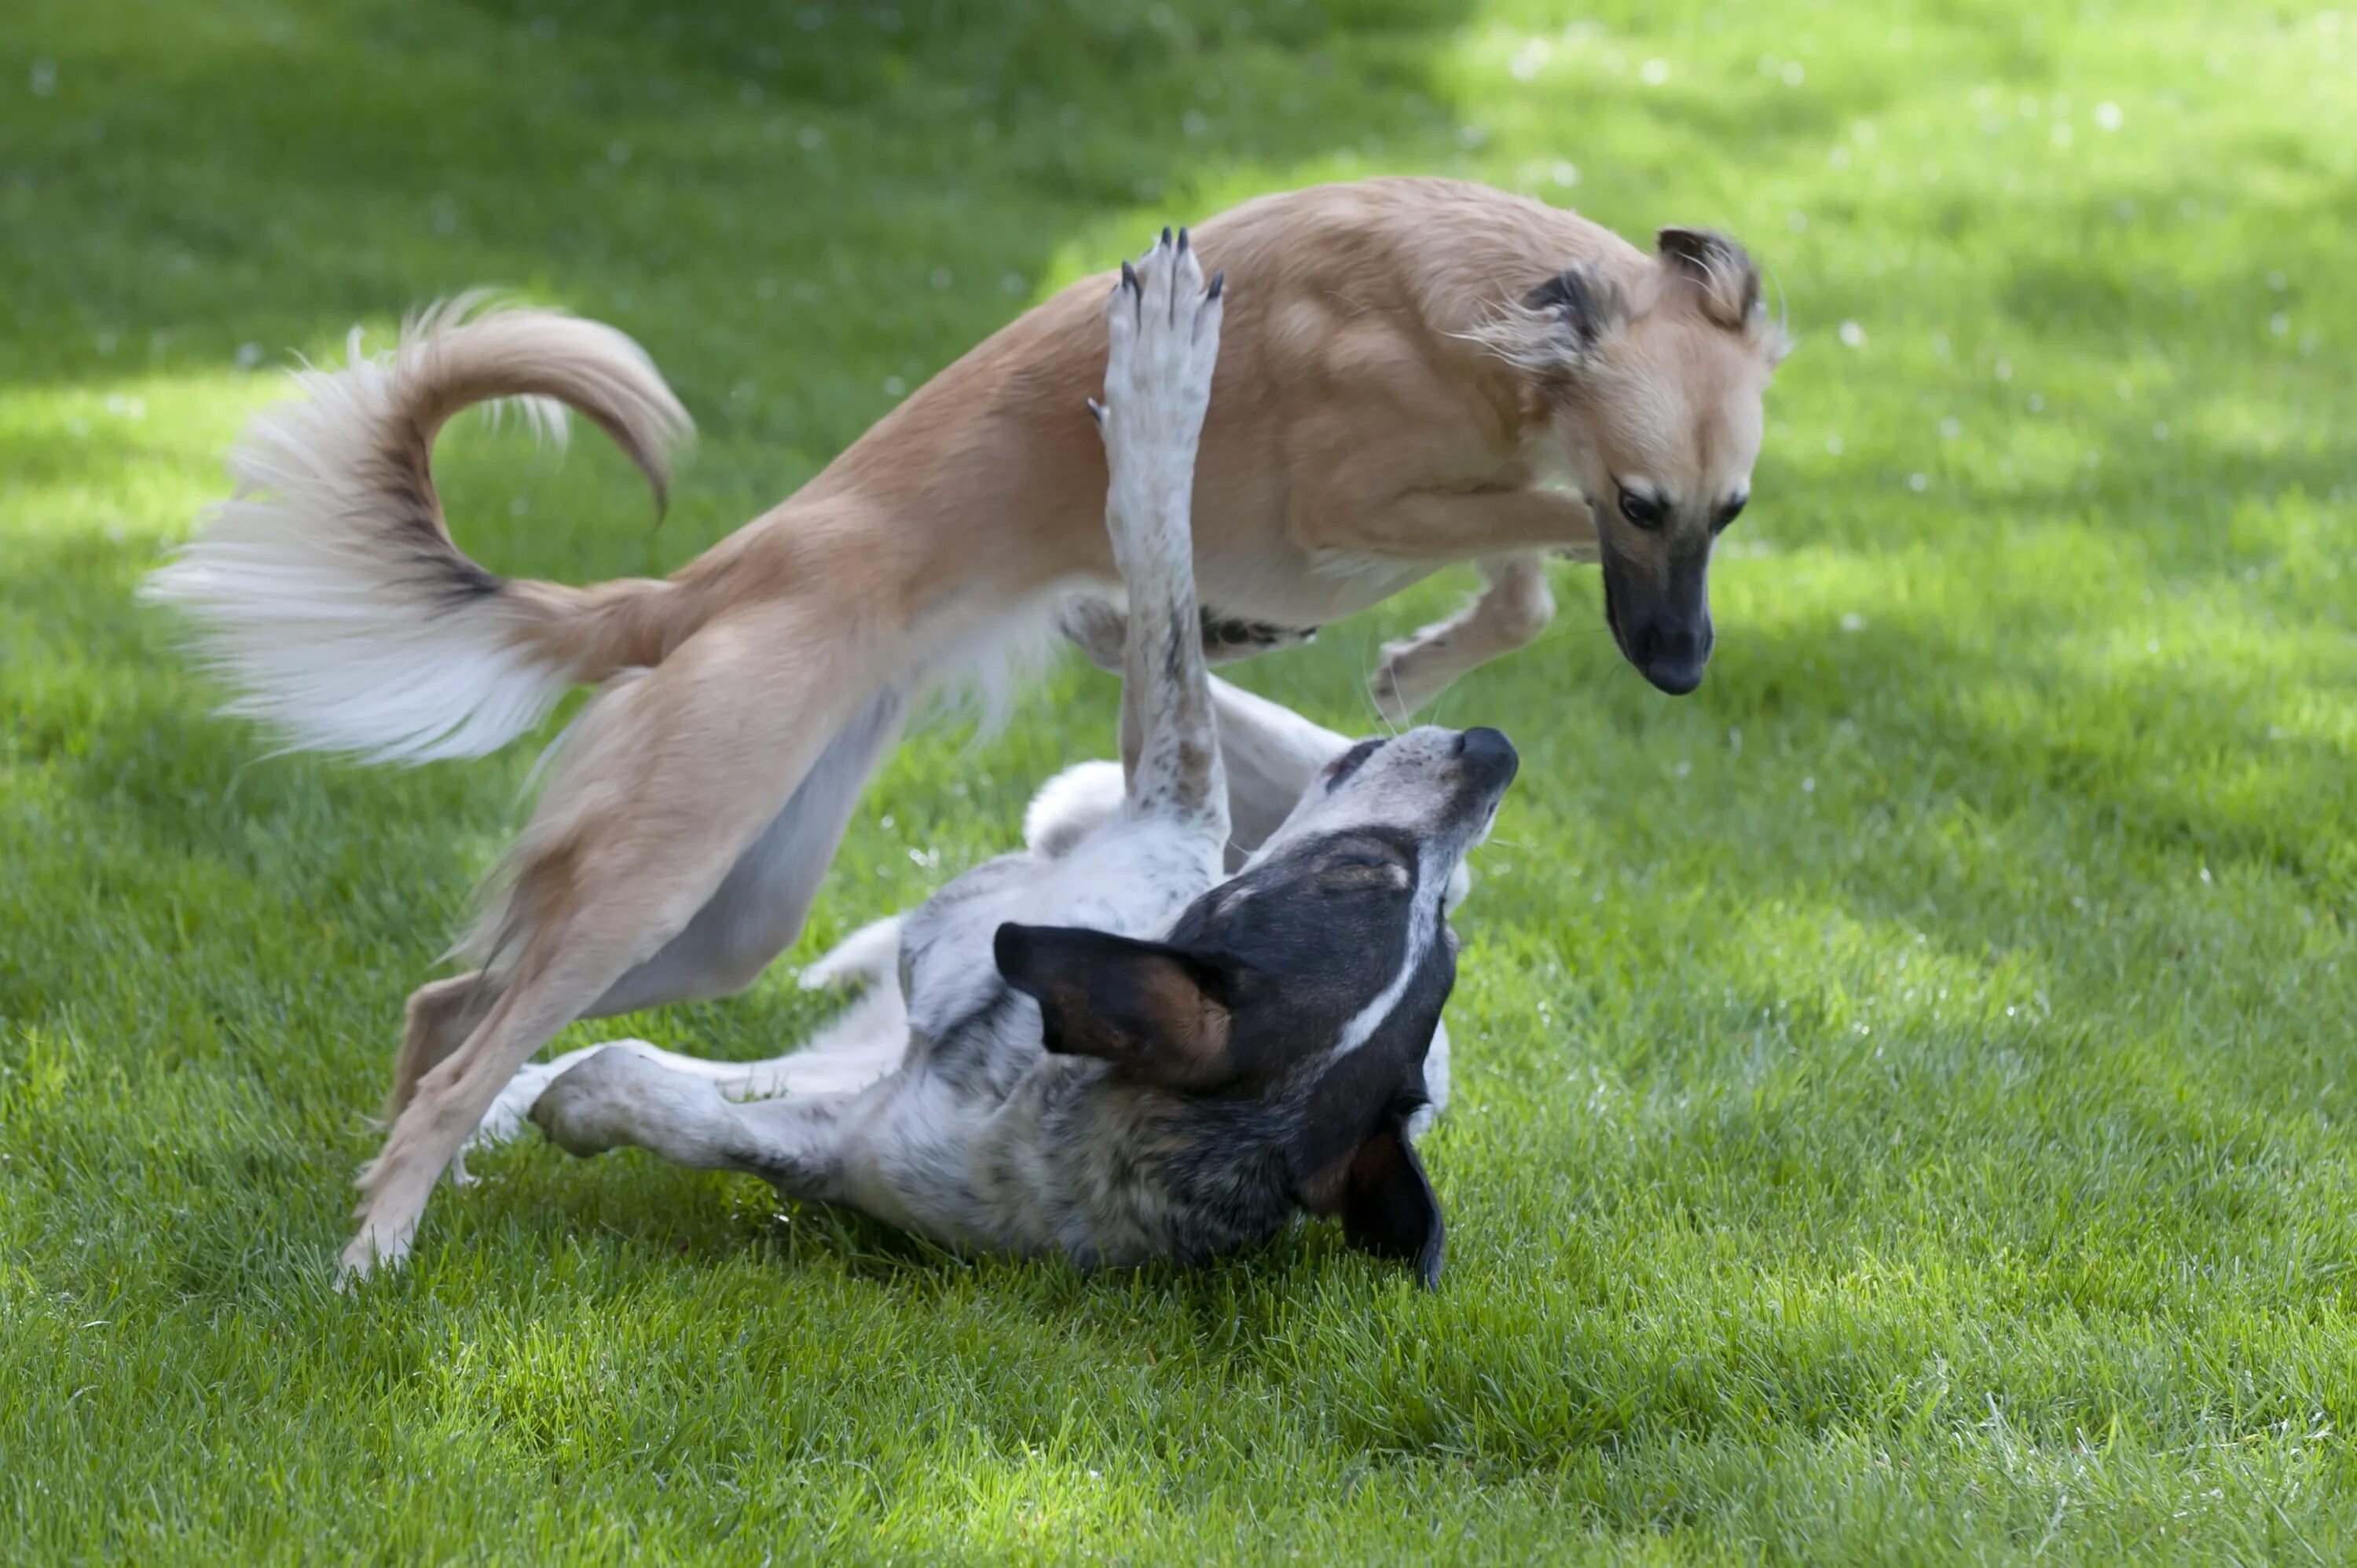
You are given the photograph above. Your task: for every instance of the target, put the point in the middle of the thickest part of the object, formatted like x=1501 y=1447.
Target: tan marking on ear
x=1322 y=1192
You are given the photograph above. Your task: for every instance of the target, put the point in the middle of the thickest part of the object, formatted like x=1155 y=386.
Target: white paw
x=1164 y=324
x=593 y=1105
x=512 y=1109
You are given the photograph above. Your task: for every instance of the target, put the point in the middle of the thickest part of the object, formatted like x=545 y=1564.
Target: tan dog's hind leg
x=1507 y=615
x=755 y=915
x=442 y=1014
x=648 y=813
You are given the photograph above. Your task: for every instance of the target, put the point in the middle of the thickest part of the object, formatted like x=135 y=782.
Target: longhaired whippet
x=1412 y=365
x=1174 y=1064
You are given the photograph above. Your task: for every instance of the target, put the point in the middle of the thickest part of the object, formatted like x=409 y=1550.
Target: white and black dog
x=1104 y=1048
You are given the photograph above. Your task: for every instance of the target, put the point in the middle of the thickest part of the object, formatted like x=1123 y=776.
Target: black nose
x=1488 y=756
x=1677 y=677
x=1672 y=656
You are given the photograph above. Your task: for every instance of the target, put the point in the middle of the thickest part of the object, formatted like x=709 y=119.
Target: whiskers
x=1366 y=696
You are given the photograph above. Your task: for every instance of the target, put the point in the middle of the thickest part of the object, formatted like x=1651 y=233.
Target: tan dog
x=1409 y=364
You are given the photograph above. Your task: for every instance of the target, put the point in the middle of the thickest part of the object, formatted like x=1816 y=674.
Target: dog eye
x=1353 y=873
x=1640 y=510
x=1729 y=514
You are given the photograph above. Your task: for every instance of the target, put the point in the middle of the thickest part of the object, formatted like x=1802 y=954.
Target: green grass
x=1905 y=1089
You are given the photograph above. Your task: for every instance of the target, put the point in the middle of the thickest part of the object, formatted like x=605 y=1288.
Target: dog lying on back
x=1110 y=1051
x=1412 y=365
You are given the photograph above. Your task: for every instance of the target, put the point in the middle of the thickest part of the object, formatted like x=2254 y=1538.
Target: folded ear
x=1150 y=1008
x=1553 y=331
x=1723 y=270
x=1388 y=1205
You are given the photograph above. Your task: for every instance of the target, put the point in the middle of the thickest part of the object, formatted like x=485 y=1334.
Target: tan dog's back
x=1347 y=353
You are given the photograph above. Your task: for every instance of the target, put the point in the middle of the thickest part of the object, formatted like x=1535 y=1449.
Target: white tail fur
x=326 y=591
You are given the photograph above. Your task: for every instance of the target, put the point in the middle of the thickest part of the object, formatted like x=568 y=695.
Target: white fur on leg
x=863 y=1043
x=618 y=1096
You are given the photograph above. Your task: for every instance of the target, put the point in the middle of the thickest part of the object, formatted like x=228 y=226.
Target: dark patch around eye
x=1730 y=513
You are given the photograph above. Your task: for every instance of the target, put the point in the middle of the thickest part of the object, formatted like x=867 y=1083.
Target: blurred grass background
x=1904 y=1088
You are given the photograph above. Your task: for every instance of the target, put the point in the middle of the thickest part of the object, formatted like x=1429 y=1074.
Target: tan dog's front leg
x=1508 y=614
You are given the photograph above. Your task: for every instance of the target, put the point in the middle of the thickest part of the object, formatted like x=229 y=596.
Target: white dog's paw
x=1164 y=324
x=512 y=1109
x=594 y=1104
x=508 y=1113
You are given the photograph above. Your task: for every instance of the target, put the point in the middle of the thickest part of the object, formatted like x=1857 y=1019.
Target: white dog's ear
x=1152 y=1009
x=1554 y=331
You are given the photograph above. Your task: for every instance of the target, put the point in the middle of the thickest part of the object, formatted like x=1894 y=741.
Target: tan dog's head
x=1651 y=385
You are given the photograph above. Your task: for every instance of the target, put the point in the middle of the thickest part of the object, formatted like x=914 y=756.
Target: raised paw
x=1164 y=326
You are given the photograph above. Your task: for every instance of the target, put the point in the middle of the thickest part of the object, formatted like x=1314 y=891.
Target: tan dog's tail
x=328 y=591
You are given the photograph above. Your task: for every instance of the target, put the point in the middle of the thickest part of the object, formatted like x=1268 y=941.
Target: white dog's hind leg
x=1273 y=754
x=622 y=1099
x=855 y=1049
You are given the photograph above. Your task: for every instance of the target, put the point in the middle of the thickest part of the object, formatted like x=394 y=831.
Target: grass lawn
x=1905 y=1089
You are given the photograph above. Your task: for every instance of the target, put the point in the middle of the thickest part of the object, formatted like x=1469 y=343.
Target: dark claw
x=1219 y=282
x=1129 y=277
x=1165 y=233
x=1182 y=242
x=1097 y=413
